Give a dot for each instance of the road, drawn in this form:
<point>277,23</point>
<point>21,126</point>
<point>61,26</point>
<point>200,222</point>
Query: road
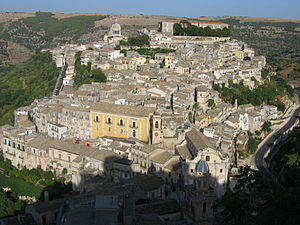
<point>263,149</point>
<point>59,82</point>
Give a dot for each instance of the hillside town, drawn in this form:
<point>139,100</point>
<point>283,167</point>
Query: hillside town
<point>154,144</point>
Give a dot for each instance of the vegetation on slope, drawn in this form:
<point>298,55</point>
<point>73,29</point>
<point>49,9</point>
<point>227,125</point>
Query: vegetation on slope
<point>9,203</point>
<point>33,79</point>
<point>258,199</point>
<point>152,51</point>
<point>42,29</point>
<point>84,73</point>
<point>25,182</point>
<point>185,28</point>
<point>268,93</point>
<point>279,42</point>
<point>142,40</point>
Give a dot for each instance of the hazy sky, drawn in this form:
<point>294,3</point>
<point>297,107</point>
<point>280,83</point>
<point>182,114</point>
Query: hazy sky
<point>188,8</point>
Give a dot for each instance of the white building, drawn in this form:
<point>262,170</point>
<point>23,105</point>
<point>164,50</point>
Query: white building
<point>56,131</point>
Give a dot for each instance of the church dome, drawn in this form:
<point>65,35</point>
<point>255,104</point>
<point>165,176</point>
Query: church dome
<point>116,26</point>
<point>202,167</point>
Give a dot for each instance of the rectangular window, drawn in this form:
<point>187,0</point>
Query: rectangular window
<point>221,170</point>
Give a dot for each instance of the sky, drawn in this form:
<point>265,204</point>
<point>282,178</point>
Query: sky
<point>188,8</point>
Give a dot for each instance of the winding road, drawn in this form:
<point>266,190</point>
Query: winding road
<point>269,144</point>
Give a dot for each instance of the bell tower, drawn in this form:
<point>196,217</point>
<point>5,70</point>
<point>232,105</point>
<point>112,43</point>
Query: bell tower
<point>156,129</point>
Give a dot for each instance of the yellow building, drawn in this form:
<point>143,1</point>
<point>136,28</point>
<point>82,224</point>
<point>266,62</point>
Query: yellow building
<point>152,61</point>
<point>169,60</point>
<point>239,54</point>
<point>246,52</point>
<point>121,121</point>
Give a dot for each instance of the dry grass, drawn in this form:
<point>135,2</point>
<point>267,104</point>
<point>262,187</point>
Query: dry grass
<point>250,19</point>
<point>13,16</point>
<point>66,15</point>
<point>129,20</point>
<point>136,19</point>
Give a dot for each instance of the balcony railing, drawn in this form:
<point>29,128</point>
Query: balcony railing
<point>133,126</point>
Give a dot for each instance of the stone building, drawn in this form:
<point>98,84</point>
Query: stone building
<point>114,34</point>
<point>167,26</point>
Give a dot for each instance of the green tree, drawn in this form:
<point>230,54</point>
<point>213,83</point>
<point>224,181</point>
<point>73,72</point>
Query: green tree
<point>266,127</point>
<point>84,73</point>
<point>140,41</point>
<point>185,28</point>
<point>18,87</point>
<point>64,171</point>
<point>211,103</point>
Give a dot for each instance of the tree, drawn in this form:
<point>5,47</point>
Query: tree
<point>172,103</point>
<point>253,143</point>
<point>293,160</point>
<point>64,171</point>
<point>185,28</point>
<point>211,103</point>
<point>266,127</point>
<point>142,40</point>
<point>85,74</point>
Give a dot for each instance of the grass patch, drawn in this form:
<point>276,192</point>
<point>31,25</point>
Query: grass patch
<point>20,187</point>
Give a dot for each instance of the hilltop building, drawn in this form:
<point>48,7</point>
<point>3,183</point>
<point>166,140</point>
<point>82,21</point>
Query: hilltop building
<point>166,27</point>
<point>114,34</point>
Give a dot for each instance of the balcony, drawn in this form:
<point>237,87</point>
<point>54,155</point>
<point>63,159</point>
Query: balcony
<point>96,121</point>
<point>134,126</point>
<point>121,125</point>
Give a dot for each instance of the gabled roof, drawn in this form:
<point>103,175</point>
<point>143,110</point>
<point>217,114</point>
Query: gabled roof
<point>199,140</point>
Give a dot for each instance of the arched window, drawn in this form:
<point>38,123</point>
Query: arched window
<point>156,124</point>
<point>204,207</point>
<point>97,119</point>
<point>207,158</point>
<point>109,120</point>
<point>121,123</point>
<point>133,133</point>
